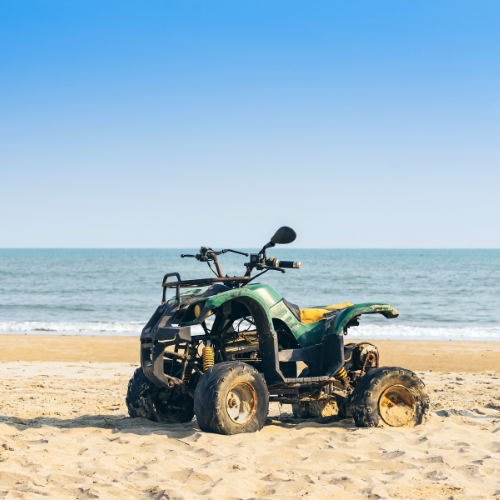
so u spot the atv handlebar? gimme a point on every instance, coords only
(257, 261)
(210, 251)
(289, 264)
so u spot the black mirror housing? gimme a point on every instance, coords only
(283, 236)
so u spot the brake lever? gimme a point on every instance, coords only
(234, 251)
(199, 257)
(260, 268)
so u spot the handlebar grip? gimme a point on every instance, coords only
(289, 264)
(185, 255)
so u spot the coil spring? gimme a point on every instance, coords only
(208, 358)
(187, 375)
(189, 368)
(341, 374)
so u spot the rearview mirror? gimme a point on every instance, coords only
(283, 236)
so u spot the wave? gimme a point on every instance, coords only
(370, 331)
(114, 328)
(416, 332)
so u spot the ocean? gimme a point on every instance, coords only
(439, 294)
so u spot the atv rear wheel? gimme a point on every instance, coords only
(145, 400)
(315, 409)
(389, 396)
(230, 398)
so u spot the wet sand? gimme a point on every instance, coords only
(414, 355)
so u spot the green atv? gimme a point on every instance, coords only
(227, 371)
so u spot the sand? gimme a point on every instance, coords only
(65, 433)
(69, 348)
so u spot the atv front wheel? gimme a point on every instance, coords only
(145, 400)
(389, 396)
(230, 398)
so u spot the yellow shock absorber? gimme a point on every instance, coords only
(341, 374)
(208, 358)
(189, 368)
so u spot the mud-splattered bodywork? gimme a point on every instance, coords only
(320, 345)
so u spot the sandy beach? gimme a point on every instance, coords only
(65, 433)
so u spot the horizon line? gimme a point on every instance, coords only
(255, 248)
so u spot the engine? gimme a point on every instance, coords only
(360, 358)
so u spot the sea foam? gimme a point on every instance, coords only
(121, 328)
(417, 332)
(370, 331)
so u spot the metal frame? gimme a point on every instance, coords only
(321, 343)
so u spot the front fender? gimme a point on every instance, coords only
(268, 340)
(243, 295)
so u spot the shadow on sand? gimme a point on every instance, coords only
(141, 426)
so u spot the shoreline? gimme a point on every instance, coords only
(418, 355)
(103, 334)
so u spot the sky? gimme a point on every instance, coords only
(175, 123)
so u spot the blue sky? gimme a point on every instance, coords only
(180, 123)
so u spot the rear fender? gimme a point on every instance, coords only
(340, 322)
(312, 334)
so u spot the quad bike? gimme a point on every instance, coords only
(228, 371)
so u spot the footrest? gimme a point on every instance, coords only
(176, 334)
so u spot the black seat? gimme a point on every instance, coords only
(294, 308)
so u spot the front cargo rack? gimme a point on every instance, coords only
(237, 281)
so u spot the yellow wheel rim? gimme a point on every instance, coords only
(397, 406)
(241, 403)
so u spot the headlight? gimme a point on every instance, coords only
(197, 310)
